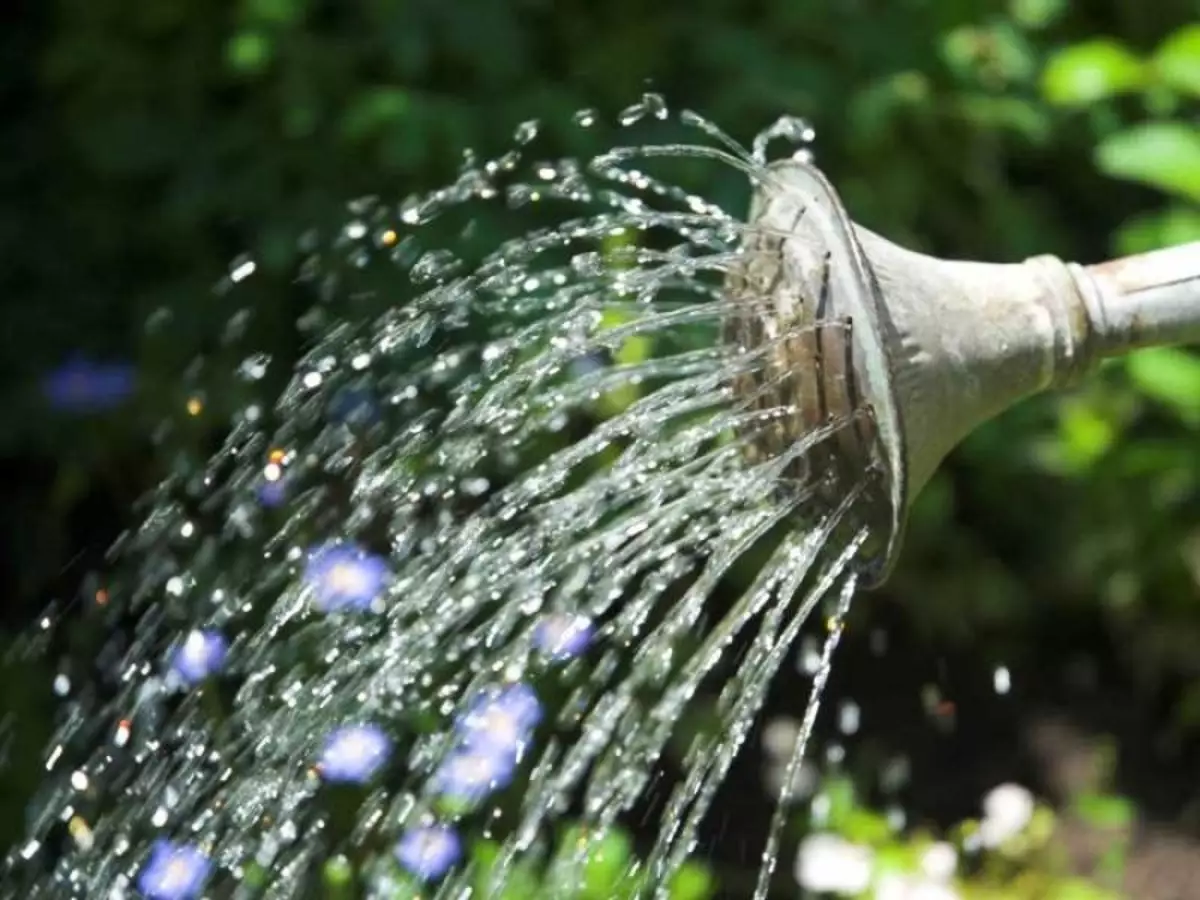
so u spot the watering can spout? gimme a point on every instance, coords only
(967, 340)
(1148, 300)
(937, 347)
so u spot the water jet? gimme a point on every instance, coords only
(928, 348)
(522, 513)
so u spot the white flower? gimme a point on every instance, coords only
(939, 861)
(903, 887)
(1007, 809)
(829, 864)
(804, 780)
(779, 737)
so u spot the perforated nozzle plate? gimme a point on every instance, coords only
(805, 267)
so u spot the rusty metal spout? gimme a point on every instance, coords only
(924, 349)
(1148, 300)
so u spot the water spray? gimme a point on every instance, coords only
(489, 549)
(924, 350)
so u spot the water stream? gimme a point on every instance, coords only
(508, 525)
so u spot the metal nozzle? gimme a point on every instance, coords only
(915, 352)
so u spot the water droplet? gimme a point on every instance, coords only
(254, 367)
(562, 445)
(650, 105)
(433, 265)
(656, 105)
(243, 267)
(848, 717)
(1001, 680)
(526, 131)
(793, 130)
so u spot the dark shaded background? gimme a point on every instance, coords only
(147, 144)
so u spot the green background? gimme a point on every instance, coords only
(151, 143)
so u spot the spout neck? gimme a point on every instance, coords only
(1148, 300)
(967, 340)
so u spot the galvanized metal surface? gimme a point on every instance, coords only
(1147, 300)
(807, 301)
(935, 347)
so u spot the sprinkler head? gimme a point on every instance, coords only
(911, 353)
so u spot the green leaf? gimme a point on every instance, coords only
(1086, 435)
(634, 349)
(1035, 14)
(961, 50)
(1164, 228)
(1011, 54)
(255, 876)
(839, 792)
(604, 860)
(452, 806)
(1160, 101)
(484, 854)
(692, 882)
(1165, 155)
(864, 827)
(1170, 376)
(1077, 889)
(1087, 72)
(1104, 810)
(1031, 120)
(248, 52)
(338, 876)
(895, 858)
(1177, 60)
(607, 864)
(276, 12)
(374, 111)
(519, 881)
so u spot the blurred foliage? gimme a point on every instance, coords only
(1029, 862)
(157, 143)
(605, 872)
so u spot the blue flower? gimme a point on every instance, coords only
(354, 753)
(501, 719)
(272, 493)
(429, 851)
(173, 872)
(344, 576)
(563, 636)
(80, 385)
(354, 406)
(583, 366)
(469, 775)
(201, 654)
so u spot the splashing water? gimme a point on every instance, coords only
(466, 578)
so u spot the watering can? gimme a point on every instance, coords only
(928, 348)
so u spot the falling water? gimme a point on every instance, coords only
(465, 577)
